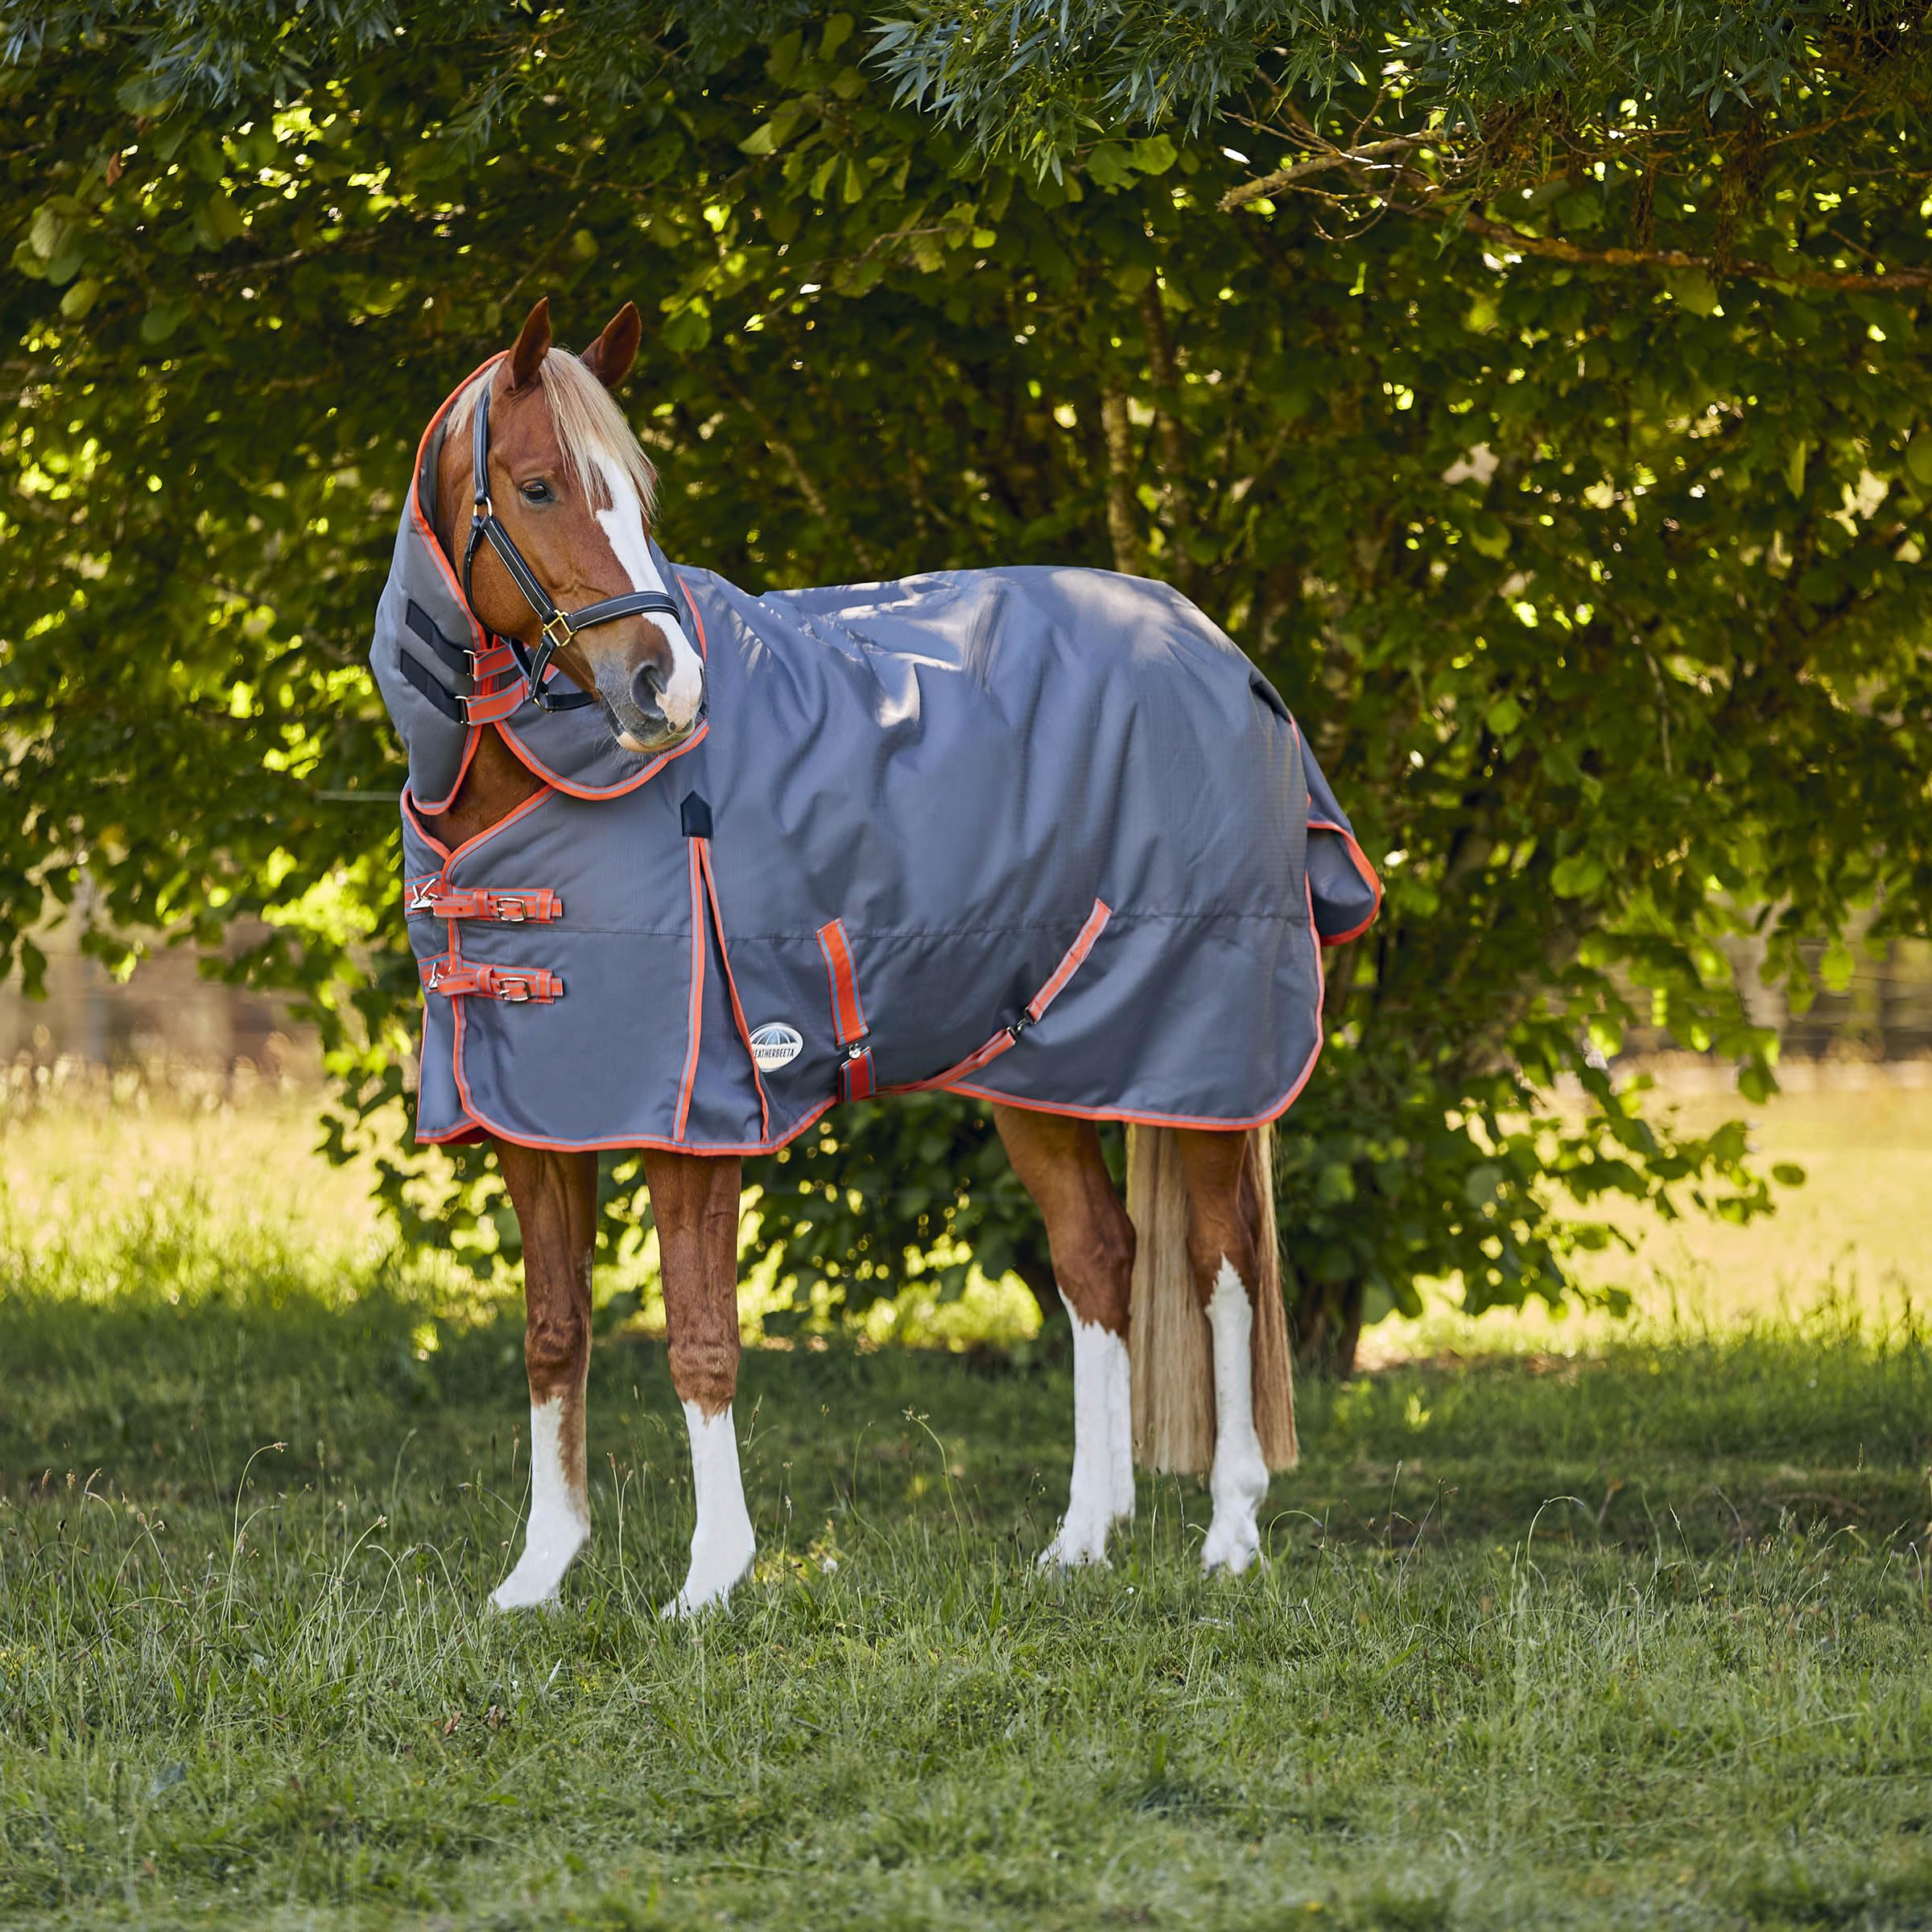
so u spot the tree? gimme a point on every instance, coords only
(1595, 585)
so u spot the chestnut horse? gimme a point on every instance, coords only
(583, 536)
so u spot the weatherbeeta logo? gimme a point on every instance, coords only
(775, 1046)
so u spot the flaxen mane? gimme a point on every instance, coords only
(590, 427)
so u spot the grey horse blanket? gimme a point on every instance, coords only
(1041, 835)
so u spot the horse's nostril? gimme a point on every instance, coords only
(646, 687)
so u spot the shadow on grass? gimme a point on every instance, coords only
(163, 1383)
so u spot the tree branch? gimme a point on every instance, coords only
(1318, 164)
(1556, 249)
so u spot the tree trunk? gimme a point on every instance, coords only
(1325, 1320)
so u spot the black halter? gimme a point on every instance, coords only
(558, 628)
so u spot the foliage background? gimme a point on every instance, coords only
(1565, 464)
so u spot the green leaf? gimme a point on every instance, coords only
(687, 332)
(1579, 876)
(80, 298)
(1504, 716)
(784, 57)
(775, 132)
(1154, 155)
(1334, 1185)
(1489, 536)
(1482, 1183)
(1787, 1173)
(1918, 458)
(44, 234)
(1694, 289)
(1795, 467)
(163, 319)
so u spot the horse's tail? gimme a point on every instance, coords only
(1168, 1337)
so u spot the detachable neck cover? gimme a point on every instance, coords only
(425, 653)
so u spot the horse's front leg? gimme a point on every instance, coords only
(555, 1198)
(694, 1201)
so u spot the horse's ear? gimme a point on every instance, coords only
(610, 357)
(526, 357)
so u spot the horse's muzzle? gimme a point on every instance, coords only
(635, 700)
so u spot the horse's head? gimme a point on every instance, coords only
(574, 491)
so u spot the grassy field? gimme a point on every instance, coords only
(1602, 1627)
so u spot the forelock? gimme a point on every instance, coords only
(592, 432)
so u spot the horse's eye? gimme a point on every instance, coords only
(536, 492)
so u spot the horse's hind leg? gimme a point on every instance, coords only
(694, 1201)
(555, 1198)
(1091, 1241)
(1222, 1218)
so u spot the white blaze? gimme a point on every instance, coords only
(1239, 1478)
(722, 1544)
(1102, 1489)
(560, 1519)
(623, 524)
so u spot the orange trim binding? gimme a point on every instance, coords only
(1369, 875)
(434, 548)
(695, 1019)
(738, 1011)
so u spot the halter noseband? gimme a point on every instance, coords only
(558, 629)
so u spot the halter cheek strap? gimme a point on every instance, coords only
(558, 627)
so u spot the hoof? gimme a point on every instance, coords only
(714, 1575)
(1232, 1548)
(519, 1592)
(1079, 1544)
(1234, 1537)
(539, 1576)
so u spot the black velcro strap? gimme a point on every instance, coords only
(445, 701)
(418, 619)
(696, 816)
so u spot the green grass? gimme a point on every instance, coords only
(1641, 1635)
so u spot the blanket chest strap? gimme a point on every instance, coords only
(511, 906)
(457, 979)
